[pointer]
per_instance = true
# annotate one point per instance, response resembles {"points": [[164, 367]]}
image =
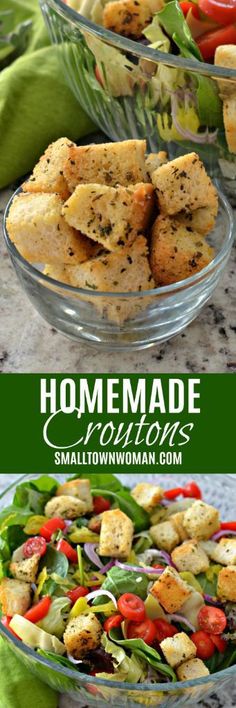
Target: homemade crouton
{"points": [[67, 506], [155, 160], [15, 596], [226, 586], [26, 569], [170, 590], [201, 220], [192, 669], [177, 521], [113, 216], [57, 272], [41, 234], [184, 184], [225, 55], [48, 174], [224, 552], [129, 17], [229, 112], [82, 634], [201, 520], [116, 534], [176, 253], [108, 163], [147, 495], [190, 556], [164, 535], [79, 488], [178, 649]]}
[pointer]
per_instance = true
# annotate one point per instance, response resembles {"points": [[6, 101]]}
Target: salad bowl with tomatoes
{"points": [[121, 589]]}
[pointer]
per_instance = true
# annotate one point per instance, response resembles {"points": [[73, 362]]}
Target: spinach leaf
{"points": [[35, 494], [171, 18], [219, 661], [14, 536], [119, 581], [55, 562], [101, 481], [147, 653], [57, 658], [208, 580], [126, 503]]}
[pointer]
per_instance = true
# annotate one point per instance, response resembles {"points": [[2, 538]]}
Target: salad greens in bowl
{"points": [[119, 590]]}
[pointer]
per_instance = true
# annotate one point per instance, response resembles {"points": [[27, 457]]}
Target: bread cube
{"points": [[201, 521], [184, 184], [229, 111], [108, 163], [192, 669], [129, 17], [155, 160], [164, 535], [15, 596], [178, 649], [116, 534], [177, 521], [82, 634], [226, 586], [113, 216], [176, 253], [225, 55], [201, 220], [190, 556], [48, 174], [67, 506], [26, 569], [79, 488], [170, 590], [57, 272], [147, 495], [224, 552]]}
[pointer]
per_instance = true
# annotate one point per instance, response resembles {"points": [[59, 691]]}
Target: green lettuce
{"points": [[119, 581], [130, 669], [54, 622], [145, 652], [35, 494], [35, 637]]}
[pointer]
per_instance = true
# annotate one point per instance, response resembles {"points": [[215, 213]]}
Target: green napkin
{"points": [[19, 687], [36, 105]]}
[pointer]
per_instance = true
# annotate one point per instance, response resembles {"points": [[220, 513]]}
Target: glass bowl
{"points": [[139, 92], [97, 317], [219, 490]]}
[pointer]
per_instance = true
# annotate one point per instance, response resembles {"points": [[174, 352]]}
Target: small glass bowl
{"points": [[154, 315]]}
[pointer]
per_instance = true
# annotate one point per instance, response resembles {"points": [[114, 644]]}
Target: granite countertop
{"points": [[28, 344]]}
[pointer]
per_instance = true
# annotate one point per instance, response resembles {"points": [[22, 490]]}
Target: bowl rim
{"points": [[129, 45], [186, 284], [93, 680]]}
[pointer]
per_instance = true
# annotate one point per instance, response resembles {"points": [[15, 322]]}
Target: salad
{"points": [[131, 585]]}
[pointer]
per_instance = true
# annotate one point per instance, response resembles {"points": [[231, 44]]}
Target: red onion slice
{"points": [[182, 619], [107, 567], [74, 661], [212, 600], [89, 549], [219, 534], [139, 569], [96, 593]]}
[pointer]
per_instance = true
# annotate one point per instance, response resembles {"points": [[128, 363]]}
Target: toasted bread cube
{"points": [[201, 220], [41, 234], [178, 649], [147, 495], [155, 160], [184, 184], [229, 111], [225, 55], [170, 590], [164, 535], [175, 253], [116, 534], [67, 506], [57, 272], [26, 569], [226, 586], [177, 521], [82, 634], [15, 596], [190, 556], [201, 520], [79, 488], [48, 174], [192, 669], [129, 17], [113, 216], [225, 551], [109, 163]]}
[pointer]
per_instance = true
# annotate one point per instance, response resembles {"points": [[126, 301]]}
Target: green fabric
{"points": [[36, 105], [19, 687]]}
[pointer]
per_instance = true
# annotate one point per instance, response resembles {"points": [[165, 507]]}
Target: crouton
{"points": [[155, 160], [175, 253], [184, 184], [190, 556], [224, 552], [177, 521], [178, 649], [192, 669], [164, 535], [41, 234], [229, 112], [109, 163], [113, 216], [82, 634], [79, 488], [57, 272], [26, 569], [67, 506], [201, 520], [116, 534], [147, 495], [129, 17], [226, 586], [48, 175], [225, 55], [201, 220], [170, 590], [15, 596]]}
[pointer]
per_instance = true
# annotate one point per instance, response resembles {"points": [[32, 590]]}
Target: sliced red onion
{"points": [[89, 549], [202, 138], [96, 593], [166, 502], [166, 556], [74, 661], [107, 567], [139, 569], [182, 619], [219, 534], [212, 600], [33, 587], [68, 523]]}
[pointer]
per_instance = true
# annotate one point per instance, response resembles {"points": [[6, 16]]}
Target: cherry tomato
{"points": [[75, 593], [5, 620], [173, 493], [35, 544], [164, 629], [112, 622], [192, 490], [158, 566], [186, 6], [100, 504], [145, 630], [212, 619], [68, 551], [221, 11], [228, 526], [132, 607], [39, 611], [208, 43], [204, 644], [219, 643], [51, 526]]}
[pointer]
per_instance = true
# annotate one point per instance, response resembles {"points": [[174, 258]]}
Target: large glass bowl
{"points": [[153, 315], [219, 490], [141, 91]]}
